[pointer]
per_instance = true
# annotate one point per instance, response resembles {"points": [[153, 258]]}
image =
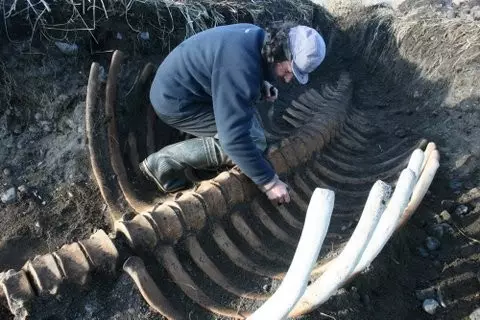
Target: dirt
{"points": [[43, 156]]}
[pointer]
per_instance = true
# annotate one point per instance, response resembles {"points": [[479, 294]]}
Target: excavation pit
{"points": [[389, 81]]}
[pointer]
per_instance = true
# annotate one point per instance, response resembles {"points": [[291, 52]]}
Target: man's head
{"points": [[294, 51]]}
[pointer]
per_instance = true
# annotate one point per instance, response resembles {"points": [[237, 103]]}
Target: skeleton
{"points": [[322, 148]]}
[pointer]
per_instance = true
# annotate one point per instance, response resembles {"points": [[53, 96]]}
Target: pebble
{"points": [[47, 128], [475, 315], [9, 196], [22, 188], [144, 35], [432, 243], [448, 205], [67, 48], [267, 288], [33, 129], [438, 230], [447, 228], [38, 116], [6, 172], [430, 306], [445, 215], [475, 12], [461, 210], [17, 129]]}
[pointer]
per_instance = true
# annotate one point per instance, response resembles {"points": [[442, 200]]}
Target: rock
{"points": [[47, 128], [445, 215], [144, 35], [22, 189], [17, 129], [67, 48], [448, 205], [438, 230], [9, 196], [430, 306], [475, 315], [38, 116], [422, 252], [450, 14], [6, 172], [432, 243], [266, 288], [401, 133], [33, 129], [471, 195], [447, 228], [475, 11], [461, 210]]}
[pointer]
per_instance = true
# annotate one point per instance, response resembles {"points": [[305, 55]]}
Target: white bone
{"points": [[422, 186], [389, 219], [428, 150], [415, 163], [319, 291], [295, 282]]}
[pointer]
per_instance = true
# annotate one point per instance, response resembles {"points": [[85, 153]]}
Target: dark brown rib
{"points": [[237, 257], [206, 265], [101, 169], [135, 268], [166, 256], [114, 144]]}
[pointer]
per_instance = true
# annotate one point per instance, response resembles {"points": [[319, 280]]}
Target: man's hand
{"points": [[269, 91], [277, 191]]}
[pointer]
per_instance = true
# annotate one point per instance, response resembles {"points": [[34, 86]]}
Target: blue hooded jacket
{"points": [[220, 68]]}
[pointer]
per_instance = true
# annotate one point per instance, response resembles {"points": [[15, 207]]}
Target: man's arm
{"points": [[233, 92]]}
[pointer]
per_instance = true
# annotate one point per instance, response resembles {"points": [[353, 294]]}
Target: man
{"points": [[207, 87]]}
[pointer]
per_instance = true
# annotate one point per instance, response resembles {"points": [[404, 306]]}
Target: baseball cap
{"points": [[308, 51]]}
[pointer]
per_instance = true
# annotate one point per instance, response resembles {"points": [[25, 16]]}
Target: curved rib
{"points": [[253, 241], [166, 256], [422, 186], [238, 258], [202, 260], [311, 240], [268, 222], [113, 143], [344, 264], [101, 169], [135, 268]]}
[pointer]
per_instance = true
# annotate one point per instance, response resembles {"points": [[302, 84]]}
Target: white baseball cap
{"points": [[308, 51]]}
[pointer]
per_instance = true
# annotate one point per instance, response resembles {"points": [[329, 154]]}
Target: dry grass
{"points": [[66, 19], [409, 50]]}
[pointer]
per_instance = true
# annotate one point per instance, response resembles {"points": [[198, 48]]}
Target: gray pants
{"points": [[202, 124]]}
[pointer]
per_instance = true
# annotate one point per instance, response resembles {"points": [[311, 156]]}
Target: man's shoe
{"points": [[171, 186], [167, 167]]}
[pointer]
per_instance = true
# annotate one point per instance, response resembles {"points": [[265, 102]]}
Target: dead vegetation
{"points": [[409, 51], [163, 20]]}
